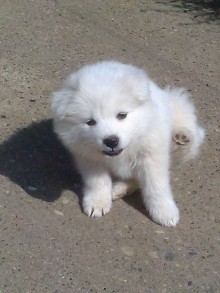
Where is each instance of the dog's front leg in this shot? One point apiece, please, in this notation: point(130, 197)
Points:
point(157, 194)
point(97, 198)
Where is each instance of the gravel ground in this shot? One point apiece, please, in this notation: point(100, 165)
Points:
point(47, 243)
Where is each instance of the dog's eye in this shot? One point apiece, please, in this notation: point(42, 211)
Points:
point(91, 122)
point(121, 115)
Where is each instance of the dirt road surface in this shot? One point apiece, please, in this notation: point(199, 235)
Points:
point(47, 243)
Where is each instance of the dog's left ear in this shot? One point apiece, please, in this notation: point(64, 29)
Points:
point(138, 84)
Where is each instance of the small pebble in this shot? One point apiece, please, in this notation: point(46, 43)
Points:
point(32, 188)
point(159, 231)
point(129, 251)
point(59, 213)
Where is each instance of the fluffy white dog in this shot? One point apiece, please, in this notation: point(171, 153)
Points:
point(122, 130)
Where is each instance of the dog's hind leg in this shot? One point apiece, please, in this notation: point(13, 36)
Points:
point(181, 137)
point(186, 143)
point(187, 135)
point(123, 188)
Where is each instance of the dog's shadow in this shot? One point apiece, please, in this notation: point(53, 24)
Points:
point(34, 159)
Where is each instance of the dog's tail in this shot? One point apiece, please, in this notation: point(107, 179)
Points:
point(187, 135)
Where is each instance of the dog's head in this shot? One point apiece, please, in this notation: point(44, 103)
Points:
point(102, 108)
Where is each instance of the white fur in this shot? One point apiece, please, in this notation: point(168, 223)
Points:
point(159, 122)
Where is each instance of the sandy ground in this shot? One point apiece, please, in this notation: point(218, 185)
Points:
point(47, 243)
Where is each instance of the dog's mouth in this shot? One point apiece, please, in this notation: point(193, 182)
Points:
point(112, 152)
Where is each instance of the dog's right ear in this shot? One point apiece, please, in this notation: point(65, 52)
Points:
point(62, 99)
point(141, 86)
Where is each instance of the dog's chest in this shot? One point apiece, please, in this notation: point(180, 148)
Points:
point(122, 167)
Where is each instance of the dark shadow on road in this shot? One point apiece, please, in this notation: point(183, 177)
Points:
point(34, 159)
point(203, 10)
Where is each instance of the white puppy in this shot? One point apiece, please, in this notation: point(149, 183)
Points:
point(122, 128)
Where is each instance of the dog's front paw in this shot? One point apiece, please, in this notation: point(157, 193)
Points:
point(166, 214)
point(96, 206)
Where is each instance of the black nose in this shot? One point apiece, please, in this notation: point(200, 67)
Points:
point(111, 141)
